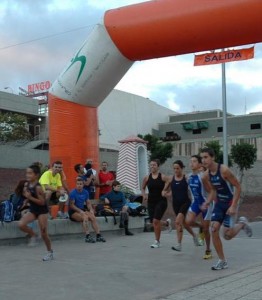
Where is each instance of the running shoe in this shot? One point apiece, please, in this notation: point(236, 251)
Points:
point(169, 225)
point(90, 239)
point(32, 242)
point(221, 264)
point(208, 254)
point(201, 239)
point(246, 227)
point(156, 245)
point(195, 240)
point(60, 214)
point(49, 256)
point(178, 247)
point(100, 239)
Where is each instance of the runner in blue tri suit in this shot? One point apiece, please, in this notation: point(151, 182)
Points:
point(199, 195)
point(226, 190)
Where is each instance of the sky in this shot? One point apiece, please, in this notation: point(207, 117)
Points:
point(38, 38)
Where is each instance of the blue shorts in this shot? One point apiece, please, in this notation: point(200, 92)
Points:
point(195, 208)
point(219, 214)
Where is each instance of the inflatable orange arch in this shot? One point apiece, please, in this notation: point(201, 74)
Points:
point(142, 31)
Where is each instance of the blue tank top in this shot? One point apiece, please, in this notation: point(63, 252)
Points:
point(223, 188)
point(196, 187)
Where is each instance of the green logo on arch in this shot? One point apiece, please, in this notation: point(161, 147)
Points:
point(82, 60)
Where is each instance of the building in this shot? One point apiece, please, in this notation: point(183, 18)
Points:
point(120, 115)
point(190, 131)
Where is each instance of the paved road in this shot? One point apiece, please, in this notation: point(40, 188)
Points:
point(126, 268)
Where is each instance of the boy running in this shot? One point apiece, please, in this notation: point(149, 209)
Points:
point(223, 181)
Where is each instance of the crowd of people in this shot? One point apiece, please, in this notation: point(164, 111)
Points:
point(207, 198)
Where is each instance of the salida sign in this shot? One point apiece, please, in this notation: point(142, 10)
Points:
point(39, 87)
point(223, 57)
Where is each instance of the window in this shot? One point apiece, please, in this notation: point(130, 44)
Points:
point(196, 131)
point(255, 126)
point(220, 129)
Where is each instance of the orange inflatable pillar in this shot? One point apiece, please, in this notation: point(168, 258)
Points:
point(73, 135)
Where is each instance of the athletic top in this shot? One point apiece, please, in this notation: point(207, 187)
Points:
point(32, 189)
point(180, 190)
point(155, 188)
point(103, 178)
point(223, 188)
point(117, 199)
point(48, 179)
point(196, 188)
point(79, 198)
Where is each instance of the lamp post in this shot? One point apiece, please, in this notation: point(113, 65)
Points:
point(8, 87)
point(224, 107)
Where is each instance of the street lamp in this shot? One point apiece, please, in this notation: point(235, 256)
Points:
point(8, 87)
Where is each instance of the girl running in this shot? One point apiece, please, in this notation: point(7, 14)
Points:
point(181, 203)
point(38, 210)
point(157, 203)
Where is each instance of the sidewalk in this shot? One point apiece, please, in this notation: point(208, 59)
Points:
point(126, 268)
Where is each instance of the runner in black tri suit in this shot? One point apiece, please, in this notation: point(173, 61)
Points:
point(38, 209)
point(181, 203)
point(223, 181)
point(157, 204)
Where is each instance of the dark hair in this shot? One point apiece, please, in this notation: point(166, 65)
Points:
point(80, 179)
point(115, 183)
point(77, 167)
point(197, 157)
point(180, 163)
point(157, 161)
point(35, 169)
point(209, 151)
point(58, 162)
point(104, 162)
point(20, 187)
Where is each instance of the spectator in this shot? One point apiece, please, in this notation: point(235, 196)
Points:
point(19, 201)
point(52, 185)
point(117, 201)
point(88, 172)
point(105, 179)
point(80, 170)
point(77, 200)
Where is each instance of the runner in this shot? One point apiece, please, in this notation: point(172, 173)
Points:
point(198, 198)
point(38, 209)
point(181, 203)
point(223, 181)
point(157, 203)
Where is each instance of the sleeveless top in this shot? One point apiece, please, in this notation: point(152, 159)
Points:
point(223, 188)
point(180, 190)
point(155, 188)
point(32, 190)
point(196, 188)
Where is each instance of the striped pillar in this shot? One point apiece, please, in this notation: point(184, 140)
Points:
point(132, 164)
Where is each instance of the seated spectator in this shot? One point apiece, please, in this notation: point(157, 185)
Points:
point(52, 185)
point(19, 201)
point(78, 197)
point(116, 199)
point(87, 177)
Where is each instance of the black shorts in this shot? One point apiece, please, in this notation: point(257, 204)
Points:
point(53, 199)
point(181, 208)
point(156, 210)
point(38, 210)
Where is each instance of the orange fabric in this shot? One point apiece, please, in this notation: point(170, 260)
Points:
point(223, 56)
point(73, 135)
point(172, 27)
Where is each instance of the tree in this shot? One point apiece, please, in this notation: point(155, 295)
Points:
point(12, 127)
point(158, 149)
point(244, 156)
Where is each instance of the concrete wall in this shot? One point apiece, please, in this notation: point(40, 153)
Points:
point(123, 114)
